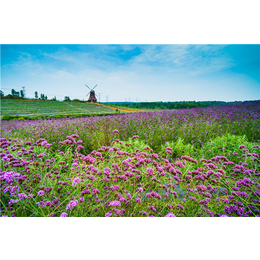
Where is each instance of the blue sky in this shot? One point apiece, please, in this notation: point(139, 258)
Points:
point(134, 72)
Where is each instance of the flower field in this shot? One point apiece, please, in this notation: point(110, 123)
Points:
point(201, 162)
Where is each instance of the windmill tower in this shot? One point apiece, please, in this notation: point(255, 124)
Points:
point(92, 95)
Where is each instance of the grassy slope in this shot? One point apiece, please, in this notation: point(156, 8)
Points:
point(49, 108)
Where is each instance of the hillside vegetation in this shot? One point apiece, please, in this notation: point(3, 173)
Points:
point(23, 109)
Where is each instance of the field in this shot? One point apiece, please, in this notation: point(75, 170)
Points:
point(38, 108)
point(172, 163)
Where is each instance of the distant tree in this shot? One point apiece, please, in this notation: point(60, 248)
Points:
point(2, 94)
point(45, 97)
point(8, 96)
point(42, 97)
point(21, 94)
point(66, 98)
point(36, 94)
point(54, 99)
point(15, 93)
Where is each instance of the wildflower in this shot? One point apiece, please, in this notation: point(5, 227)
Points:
point(40, 193)
point(143, 213)
point(48, 203)
point(64, 214)
point(179, 164)
point(170, 214)
point(181, 207)
point(114, 188)
point(80, 147)
point(115, 203)
point(72, 204)
point(208, 195)
point(149, 171)
point(76, 181)
point(108, 214)
point(115, 132)
point(22, 196)
point(11, 201)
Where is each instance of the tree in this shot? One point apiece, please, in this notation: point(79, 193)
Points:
point(42, 97)
point(66, 98)
point(21, 93)
point(15, 93)
point(36, 94)
point(54, 99)
point(2, 94)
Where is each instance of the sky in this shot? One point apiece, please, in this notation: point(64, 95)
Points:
point(170, 72)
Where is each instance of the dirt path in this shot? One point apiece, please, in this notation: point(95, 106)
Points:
point(120, 109)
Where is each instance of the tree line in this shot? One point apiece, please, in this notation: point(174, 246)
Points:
point(171, 105)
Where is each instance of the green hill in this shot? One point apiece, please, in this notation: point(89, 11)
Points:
point(33, 108)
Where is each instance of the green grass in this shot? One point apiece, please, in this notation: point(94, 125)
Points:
point(23, 109)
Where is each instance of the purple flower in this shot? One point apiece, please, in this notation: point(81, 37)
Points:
point(129, 196)
point(76, 181)
point(170, 214)
point(40, 193)
point(64, 214)
point(80, 147)
point(115, 131)
point(208, 195)
point(149, 171)
point(115, 203)
point(72, 204)
point(108, 214)
point(114, 188)
point(140, 189)
point(22, 196)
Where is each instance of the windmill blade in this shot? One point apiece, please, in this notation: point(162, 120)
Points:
point(87, 86)
point(94, 87)
point(88, 94)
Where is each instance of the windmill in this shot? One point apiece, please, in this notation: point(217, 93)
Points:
point(92, 95)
